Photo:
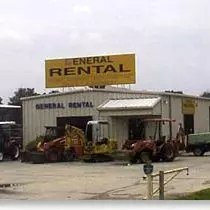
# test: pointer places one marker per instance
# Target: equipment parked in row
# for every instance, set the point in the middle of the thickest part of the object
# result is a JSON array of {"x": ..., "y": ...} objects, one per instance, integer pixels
[
  {"x": 155, "y": 147},
  {"x": 73, "y": 145}
]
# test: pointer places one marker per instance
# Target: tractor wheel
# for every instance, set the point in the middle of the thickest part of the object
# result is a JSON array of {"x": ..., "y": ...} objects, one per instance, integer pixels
[
  {"x": 15, "y": 152},
  {"x": 168, "y": 153},
  {"x": 145, "y": 157},
  {"x": 1, "y": 156},
  {"x": 69, "y": 155},
  {"x": 198, "y": 152},
  {"x": 52, "y": 156},
  {"x": 133, "y": 159}
]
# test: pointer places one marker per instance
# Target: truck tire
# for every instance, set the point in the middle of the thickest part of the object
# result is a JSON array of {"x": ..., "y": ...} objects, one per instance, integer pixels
[
  {"x": 1, "y": 156},
  {"x": 145, "y": 157},
  {"x": 15, "y": 152},
  {"x": 198, "y": 151}
]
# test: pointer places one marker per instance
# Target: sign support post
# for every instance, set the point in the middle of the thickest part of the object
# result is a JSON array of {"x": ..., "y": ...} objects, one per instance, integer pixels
[
  {"x": 148, "y": 169},
  {"x": 161, "y": 185},
  {"x": 149, "y": 187}
]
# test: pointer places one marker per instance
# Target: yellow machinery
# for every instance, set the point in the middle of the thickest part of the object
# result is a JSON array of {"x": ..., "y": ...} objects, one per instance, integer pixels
[
  {"x": 64, "y": 148},
  {"x": 74, "y": 144},
  {"x": 100, "y": 147}
]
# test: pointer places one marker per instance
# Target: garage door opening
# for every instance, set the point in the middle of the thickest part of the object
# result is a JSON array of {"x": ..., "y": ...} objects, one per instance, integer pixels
[
  {"x": 136, "y": 129},
  {"x": 189, "y": 123},
  {"x": 79, "y": 122}
]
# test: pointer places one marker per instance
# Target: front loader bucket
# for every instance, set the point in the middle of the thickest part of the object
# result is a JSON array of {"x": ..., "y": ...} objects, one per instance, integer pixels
[
  {"x": 33, "y": 157},
  {"x": 97, "y": 158}
]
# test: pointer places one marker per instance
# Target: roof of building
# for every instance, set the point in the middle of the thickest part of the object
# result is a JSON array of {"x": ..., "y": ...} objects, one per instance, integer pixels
[
  {"x": 130, "y": 103},
  {"x": 9, "y": 106},
  {"x": 7, "y": 123},
  {"x": 112, "y": 89}
]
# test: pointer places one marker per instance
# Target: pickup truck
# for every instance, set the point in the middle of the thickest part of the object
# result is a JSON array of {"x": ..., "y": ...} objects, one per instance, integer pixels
[{"x": 198, "y": 143}]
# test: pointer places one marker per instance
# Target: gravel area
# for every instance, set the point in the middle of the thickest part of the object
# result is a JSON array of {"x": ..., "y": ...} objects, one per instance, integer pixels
[{"x": 99, "y": 181}]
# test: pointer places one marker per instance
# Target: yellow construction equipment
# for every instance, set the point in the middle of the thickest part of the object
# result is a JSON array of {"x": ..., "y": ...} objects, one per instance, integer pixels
[
  {"x": 74, "y": 145},
  {"x": 100, "y": 147}
]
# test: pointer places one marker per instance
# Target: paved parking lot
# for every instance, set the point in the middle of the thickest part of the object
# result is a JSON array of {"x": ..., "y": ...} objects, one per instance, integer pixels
[{"x": 78, "y": 180}]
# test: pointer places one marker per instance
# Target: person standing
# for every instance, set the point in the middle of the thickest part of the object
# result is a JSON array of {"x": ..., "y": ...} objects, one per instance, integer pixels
[{"x": 181, "y": 135}]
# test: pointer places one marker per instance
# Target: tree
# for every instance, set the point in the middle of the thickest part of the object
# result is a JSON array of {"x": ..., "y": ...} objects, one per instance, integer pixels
[
  {"x": 1, "y": 100},
  {"x": 21, "y": 93},
  {"x": 205, "y": 94}
]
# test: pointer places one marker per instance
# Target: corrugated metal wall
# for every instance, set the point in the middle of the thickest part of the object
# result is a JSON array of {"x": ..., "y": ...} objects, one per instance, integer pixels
[
  {"x": 201, "y": 117},
  {"x": 34, "y": 120}
]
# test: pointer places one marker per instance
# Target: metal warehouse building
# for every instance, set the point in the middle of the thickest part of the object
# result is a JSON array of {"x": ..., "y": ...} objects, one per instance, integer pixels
[{"x": 124, "y": 108}]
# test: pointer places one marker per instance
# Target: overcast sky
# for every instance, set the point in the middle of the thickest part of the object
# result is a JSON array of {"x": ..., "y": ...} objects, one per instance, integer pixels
[{"x": 171, "y": 39}]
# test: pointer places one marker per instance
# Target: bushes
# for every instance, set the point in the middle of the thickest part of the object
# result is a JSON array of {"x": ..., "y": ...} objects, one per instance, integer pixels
[{"x": 32, "y": 145}]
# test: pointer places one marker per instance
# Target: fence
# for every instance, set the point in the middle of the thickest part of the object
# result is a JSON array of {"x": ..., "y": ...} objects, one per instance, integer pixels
[{"x": 162, "y": 182}]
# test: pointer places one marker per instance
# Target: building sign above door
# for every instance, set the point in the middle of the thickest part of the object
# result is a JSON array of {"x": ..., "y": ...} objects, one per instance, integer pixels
[
  {"x": 188, "y": 106},
  {"x": 83, "y": 104}
]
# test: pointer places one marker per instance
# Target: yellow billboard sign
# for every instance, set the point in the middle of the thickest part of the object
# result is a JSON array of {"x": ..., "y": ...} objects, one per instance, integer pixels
[
  {"x": 90, "y": 71},
  {"x": 188, "y": 106}
]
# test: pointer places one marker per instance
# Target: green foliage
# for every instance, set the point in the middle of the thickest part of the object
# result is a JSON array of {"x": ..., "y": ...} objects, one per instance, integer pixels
[
  {"x": 21, "y": 93},
  {"x": 32, "y": 145},
  {"x": 200, "y": 195},
  {"x": 205, "y": 94},
  {"x": 1, "y": 100}
]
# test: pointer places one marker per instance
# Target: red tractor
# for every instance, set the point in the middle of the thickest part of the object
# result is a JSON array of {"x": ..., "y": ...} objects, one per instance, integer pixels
[{"x": 154, "y": 146}]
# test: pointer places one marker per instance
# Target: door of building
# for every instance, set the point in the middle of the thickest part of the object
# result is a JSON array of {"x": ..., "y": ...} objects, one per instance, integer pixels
[
  {"x": 189, "y": 123},
  {"x": 136, "y": 129},
  {"x": 79, "y": 122}
]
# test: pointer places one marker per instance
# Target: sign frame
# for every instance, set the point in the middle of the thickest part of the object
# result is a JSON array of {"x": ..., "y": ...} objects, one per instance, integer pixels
[
  {"x": 188, "y": 106},
  {"x": 113, "y": 69},
  {"x": 148, "y": 168}
]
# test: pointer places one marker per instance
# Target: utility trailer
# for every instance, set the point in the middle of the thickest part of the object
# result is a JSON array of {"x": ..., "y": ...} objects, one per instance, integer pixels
[{"x": 198, "y": 143}]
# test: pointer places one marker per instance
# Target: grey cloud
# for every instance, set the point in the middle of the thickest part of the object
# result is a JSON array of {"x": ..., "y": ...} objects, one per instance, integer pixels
[{"x": 170, "y": 39}]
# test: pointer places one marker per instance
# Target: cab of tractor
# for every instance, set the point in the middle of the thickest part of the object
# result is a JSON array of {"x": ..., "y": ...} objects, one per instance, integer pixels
[
  {"x": 52, "y": 137},
  {"x": 156, "y": 129},
  {"x": 155, "y": 146},
  {"x": 100, "y": 144},
  {"x": 62, "y": 143},
  {"x": 100, "y": 129},
  {"x": 53, "y": 132}
]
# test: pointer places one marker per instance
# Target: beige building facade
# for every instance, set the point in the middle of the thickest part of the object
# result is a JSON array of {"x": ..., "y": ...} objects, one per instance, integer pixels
[{"x": 123, "y": 108}]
